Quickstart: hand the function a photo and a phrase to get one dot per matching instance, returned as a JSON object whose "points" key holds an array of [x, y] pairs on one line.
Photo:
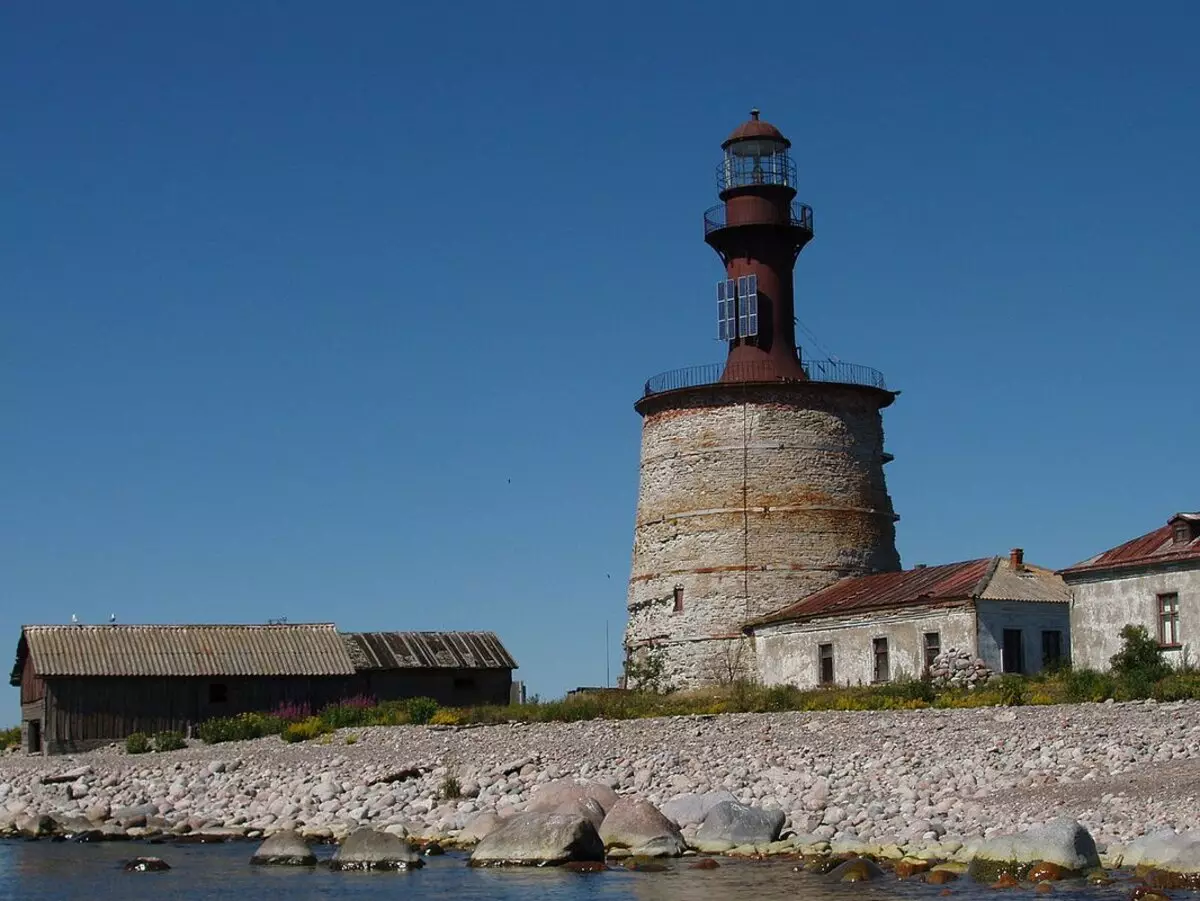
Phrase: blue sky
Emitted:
{"points": [[338, 311]]}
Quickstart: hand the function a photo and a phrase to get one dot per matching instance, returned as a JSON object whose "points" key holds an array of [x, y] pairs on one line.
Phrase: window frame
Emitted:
{"points": [[821, 658], [925, 648], [876, 644], [1165, 615]]}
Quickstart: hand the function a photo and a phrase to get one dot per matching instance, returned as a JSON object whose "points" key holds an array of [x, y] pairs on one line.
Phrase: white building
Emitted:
{"points": [[871, 629], [1153, 581]]}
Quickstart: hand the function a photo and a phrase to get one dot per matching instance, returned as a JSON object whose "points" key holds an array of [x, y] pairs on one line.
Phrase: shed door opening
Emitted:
{"points": [[1013, 655], [34, 731], [825, 655]]}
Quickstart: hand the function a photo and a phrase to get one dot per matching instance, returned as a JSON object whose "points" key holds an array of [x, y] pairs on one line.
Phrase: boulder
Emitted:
{"points": [[146, 865], [730, 824], [539, 838], [551, 796], [856, 869], [692, 808], [478, 828], [35, 825], [588, 808], [1063, 842], [1167, 860], [369, 849], [641, 827], [286, 849]]}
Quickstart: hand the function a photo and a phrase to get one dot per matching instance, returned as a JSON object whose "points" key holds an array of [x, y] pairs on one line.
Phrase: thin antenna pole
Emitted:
{"points": [[607, 660]]}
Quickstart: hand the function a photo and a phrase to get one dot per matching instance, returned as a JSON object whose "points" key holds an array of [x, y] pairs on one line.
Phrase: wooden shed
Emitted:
{"points": [[86, 686]]}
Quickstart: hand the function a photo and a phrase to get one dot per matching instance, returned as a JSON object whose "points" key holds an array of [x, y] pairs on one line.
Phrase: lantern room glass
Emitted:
{"points": [[756, 162]]}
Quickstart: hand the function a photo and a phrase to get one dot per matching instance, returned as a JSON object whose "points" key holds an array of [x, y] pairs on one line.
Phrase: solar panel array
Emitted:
{"points": [[737, 308]]}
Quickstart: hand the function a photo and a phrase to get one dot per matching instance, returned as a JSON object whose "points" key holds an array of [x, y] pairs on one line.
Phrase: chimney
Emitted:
{"points": [[1016, 559]]}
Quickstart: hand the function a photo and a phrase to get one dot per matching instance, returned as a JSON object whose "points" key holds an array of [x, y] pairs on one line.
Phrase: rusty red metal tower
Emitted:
{"points": [[758, 229]]}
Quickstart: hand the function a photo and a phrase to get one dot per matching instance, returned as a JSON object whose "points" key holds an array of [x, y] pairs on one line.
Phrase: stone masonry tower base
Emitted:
{"points": [[752, 495]]}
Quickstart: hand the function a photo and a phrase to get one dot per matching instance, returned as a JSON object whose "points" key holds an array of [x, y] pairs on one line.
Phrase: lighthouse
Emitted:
{"points": [[762, 474]]}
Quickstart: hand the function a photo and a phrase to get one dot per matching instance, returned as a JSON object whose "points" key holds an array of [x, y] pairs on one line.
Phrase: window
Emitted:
{"points": [[737, 308], [881, 660], [933, 647], [1012, 654], [1168, 619], [679, 599], [1051, 649], [1182, 532], [218, 693], [726, 311], [825, 662]]}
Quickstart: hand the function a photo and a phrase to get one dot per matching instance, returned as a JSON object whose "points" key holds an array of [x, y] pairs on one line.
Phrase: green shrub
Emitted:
{"points": [[10, 738], [1140, 656], [1012, 690], [137, 743], [451, 790], [421, 710], [1088, 685], [305, 729], [169, 741], [1183, 686], [242, 727]]}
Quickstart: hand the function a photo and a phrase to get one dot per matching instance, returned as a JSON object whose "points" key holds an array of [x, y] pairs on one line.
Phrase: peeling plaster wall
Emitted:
{"points": [[750, 498], [1032, 619], [1104, 602], [787, 654]]}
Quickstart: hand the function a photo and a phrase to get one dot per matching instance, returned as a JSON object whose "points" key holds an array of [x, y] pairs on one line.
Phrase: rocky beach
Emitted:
{"points": [[932, 783]]}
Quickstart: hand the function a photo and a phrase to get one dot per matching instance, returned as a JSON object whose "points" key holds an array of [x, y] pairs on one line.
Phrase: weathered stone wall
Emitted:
{"points": [[1101, 604], [1032, 619], [750, 498], [788, 653]]}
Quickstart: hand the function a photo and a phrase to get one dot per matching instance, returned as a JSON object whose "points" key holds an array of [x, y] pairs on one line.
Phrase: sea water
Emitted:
{"points": [[45, 870]]}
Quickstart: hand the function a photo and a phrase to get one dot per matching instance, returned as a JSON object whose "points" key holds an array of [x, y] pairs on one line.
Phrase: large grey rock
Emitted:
{"points": [[368, 849], [588, 808], [479, 827], [641, 827], [34, 825], [552, 795], [692, 808], [730, 824], [539, 838], [284, 848], [1063, 842], [1175, 852]]}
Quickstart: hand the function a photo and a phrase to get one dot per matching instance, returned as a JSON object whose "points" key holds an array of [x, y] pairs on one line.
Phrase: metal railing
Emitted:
{"points": [[801, 216], [833, 371]]}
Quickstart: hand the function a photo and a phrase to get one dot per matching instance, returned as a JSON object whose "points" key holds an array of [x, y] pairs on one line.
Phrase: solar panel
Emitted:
{"points": [[726, 311], [737, 308]]}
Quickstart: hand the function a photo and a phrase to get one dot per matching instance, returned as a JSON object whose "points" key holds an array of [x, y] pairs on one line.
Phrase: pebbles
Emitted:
{"points": [[928, 779]]}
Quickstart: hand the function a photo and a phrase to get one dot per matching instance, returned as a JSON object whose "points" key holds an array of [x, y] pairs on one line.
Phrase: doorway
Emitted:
{"points": [[1013, 653], [33, 736]]}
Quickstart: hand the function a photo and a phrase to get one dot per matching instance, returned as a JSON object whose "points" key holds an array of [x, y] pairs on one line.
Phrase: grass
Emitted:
{"points": [[1060, 686], [10, 738]]}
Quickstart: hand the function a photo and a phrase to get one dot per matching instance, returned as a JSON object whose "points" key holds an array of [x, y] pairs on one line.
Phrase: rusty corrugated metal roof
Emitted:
{"points": [[428, 650], [989, 578], [1158, 546], [300, 649], [885, 591]]}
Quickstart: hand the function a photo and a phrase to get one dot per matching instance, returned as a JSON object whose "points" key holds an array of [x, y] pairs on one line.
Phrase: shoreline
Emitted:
{"points": [[914, 782]]}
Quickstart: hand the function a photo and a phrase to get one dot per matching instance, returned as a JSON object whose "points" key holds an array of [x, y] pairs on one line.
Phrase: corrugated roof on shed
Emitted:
{"points": [[428, 650], [1158, 546], [294, 649]]}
